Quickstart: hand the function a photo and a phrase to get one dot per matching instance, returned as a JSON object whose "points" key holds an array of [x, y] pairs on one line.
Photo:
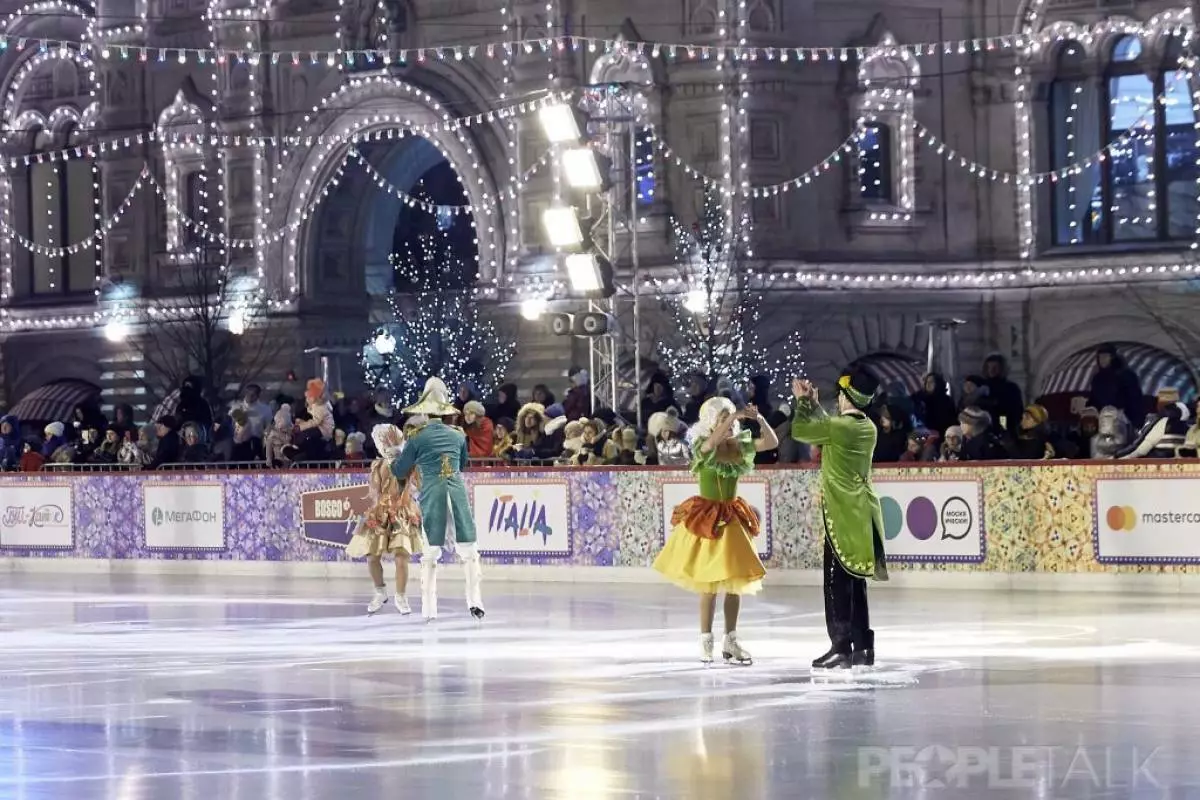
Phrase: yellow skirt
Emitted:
{"points": [[710, 566]]}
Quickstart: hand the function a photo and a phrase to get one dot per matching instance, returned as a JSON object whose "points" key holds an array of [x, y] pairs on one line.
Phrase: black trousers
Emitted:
{"points": [[847, 617]]}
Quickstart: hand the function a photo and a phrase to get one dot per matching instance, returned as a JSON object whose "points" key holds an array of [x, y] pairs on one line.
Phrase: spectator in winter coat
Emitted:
{"points": [[1004, 393], [55, 439], [530, 440], [169, 447], [922, 446], [1033, 442], [543, 396], [138, 450], [951, 449], [502, 438], [109, 449], [670, 450], [975, 394], [466, 393], [31, 459], [84, 417], [578, 401], [1112, 433], [10, 442], [258, 412], [892, 440], [934, 405], [315, 440], [123, 419], [659, 396], [699, 389], [980, 442], [355, 448], [478, 429], [193, 407], [194, 450], [1116, 385], [279, 437], [572, 441], [1079, 440], [507, 406]]}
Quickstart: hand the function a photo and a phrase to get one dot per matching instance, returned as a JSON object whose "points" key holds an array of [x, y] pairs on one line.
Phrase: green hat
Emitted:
{"points": [[859, 388]]}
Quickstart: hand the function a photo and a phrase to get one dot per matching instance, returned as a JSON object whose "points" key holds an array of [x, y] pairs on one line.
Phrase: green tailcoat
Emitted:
{"points": [[850, 508], [439, 453]]}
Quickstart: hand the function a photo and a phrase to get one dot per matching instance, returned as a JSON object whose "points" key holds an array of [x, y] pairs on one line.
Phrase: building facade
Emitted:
{"points": [[1027, 168]]}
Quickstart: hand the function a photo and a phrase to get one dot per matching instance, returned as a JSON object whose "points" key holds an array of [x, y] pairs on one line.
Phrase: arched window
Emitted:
{"points": [[181, 128], [55, 208], [1140, 111]]}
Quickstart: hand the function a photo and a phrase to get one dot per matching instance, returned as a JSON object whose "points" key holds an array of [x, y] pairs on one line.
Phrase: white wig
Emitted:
{"points": [[710, 412], [389, 440]]}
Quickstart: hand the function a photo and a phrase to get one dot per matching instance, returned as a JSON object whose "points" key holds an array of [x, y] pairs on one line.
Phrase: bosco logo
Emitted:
{"points": [[1121, 518]]}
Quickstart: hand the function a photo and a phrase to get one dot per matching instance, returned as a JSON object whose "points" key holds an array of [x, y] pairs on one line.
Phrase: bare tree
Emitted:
{"points": [[1176, 317], [210, 329]]}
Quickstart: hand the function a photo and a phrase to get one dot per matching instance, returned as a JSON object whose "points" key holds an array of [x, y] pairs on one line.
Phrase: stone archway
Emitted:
{"points": [[377, 108]]}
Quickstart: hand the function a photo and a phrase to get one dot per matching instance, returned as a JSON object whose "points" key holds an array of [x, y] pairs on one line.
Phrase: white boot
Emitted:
{"points": [[706, 648], [473, 575], [429, 567], [733, 651], [378, 601], [402, 605]]}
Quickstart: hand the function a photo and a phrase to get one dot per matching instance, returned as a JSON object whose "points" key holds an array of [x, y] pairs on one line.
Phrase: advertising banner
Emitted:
{"points": [[753, 491], [932, 519], [36, 516], [329, 516], [184, 516], [1150, 520], [525, 517]]}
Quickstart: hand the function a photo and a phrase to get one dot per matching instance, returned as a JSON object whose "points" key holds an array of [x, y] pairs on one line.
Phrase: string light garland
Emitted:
{"points": [[52, 250], [504, 48]]}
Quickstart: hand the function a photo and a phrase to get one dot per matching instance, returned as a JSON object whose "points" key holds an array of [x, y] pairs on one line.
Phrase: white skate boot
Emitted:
{"points": [[733, 652], [402, 605], [429, 568], [473, 573], [378, 601], [706, 648]]}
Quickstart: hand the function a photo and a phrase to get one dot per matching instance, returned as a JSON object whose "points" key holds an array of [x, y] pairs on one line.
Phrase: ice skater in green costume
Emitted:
{"points": [[438, 453], [853, 522]]}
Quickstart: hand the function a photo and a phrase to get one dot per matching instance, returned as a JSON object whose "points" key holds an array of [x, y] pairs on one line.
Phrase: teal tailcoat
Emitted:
{"points": [[439, 454]]}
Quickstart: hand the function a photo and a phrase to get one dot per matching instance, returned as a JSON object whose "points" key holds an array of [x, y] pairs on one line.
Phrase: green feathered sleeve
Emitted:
{"points": [[707, 462]]}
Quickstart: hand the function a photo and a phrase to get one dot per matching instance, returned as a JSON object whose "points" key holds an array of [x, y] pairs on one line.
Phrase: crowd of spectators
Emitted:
{"points": [[988, 421]]}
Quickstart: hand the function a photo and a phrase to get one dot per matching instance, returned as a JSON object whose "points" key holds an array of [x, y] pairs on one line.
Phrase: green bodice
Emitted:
{"points": [[719, 478]]}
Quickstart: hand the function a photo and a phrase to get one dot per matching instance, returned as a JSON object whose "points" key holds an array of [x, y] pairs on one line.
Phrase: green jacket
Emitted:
{"points": [[437, 451], [853, 520]]}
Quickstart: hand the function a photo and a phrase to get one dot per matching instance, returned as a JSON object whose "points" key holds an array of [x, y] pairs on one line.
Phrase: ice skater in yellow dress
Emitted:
{"points": [[711, 548]]}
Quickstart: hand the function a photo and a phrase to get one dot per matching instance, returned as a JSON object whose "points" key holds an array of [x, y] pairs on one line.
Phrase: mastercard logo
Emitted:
{"points": [[1121, 518]]}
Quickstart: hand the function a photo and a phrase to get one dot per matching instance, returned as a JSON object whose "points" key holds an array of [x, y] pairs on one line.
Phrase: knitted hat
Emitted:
{"points": [[555, 411], [474, 407], [662, 421], [976, 417], [54, 429], [629, 438], [1038, 414]]}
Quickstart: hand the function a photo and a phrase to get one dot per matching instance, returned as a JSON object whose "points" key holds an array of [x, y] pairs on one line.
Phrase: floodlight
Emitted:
{"points": [[562, 226], [533, 308], [237, 321], [559, 123], [583, 273], [696, 301], [116, 331], [581, 169]]}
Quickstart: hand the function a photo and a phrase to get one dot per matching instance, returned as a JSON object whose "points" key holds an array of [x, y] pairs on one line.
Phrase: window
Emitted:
{"points": [[194, 208], [875, 164], [1144, 190], [58, 211], [644, 166]]}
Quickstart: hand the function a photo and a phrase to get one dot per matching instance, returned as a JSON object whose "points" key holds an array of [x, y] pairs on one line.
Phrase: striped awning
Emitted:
{"points": [[167, 406], [1155, 368], [55, 402], [893, 371]]}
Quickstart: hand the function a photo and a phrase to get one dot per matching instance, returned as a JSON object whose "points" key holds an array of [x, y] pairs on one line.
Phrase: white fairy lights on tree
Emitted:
{"points": [[716, 311], [435, 327]]}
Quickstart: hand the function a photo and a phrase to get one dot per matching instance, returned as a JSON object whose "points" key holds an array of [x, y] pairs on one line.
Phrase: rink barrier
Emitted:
{"points": [[1010, 517]]}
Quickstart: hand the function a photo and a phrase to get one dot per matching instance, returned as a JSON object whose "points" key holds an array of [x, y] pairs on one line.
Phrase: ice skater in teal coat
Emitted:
{"points": [[438, 454]]}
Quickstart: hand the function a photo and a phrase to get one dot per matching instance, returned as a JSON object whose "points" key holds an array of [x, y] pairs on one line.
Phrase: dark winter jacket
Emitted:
{"points": [[169, 448], [10, 443], [1161, 437], [192, 405], [936, 408], [1010, 404], [1118, 386], [509, 408]]}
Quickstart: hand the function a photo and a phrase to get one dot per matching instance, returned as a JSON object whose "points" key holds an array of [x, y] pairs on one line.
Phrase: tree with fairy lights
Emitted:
{"points": [[717, 306], [434, 328]]}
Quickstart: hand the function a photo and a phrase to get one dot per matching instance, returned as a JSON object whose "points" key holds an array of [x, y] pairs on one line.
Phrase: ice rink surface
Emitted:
{"points": [[202, 689]]}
